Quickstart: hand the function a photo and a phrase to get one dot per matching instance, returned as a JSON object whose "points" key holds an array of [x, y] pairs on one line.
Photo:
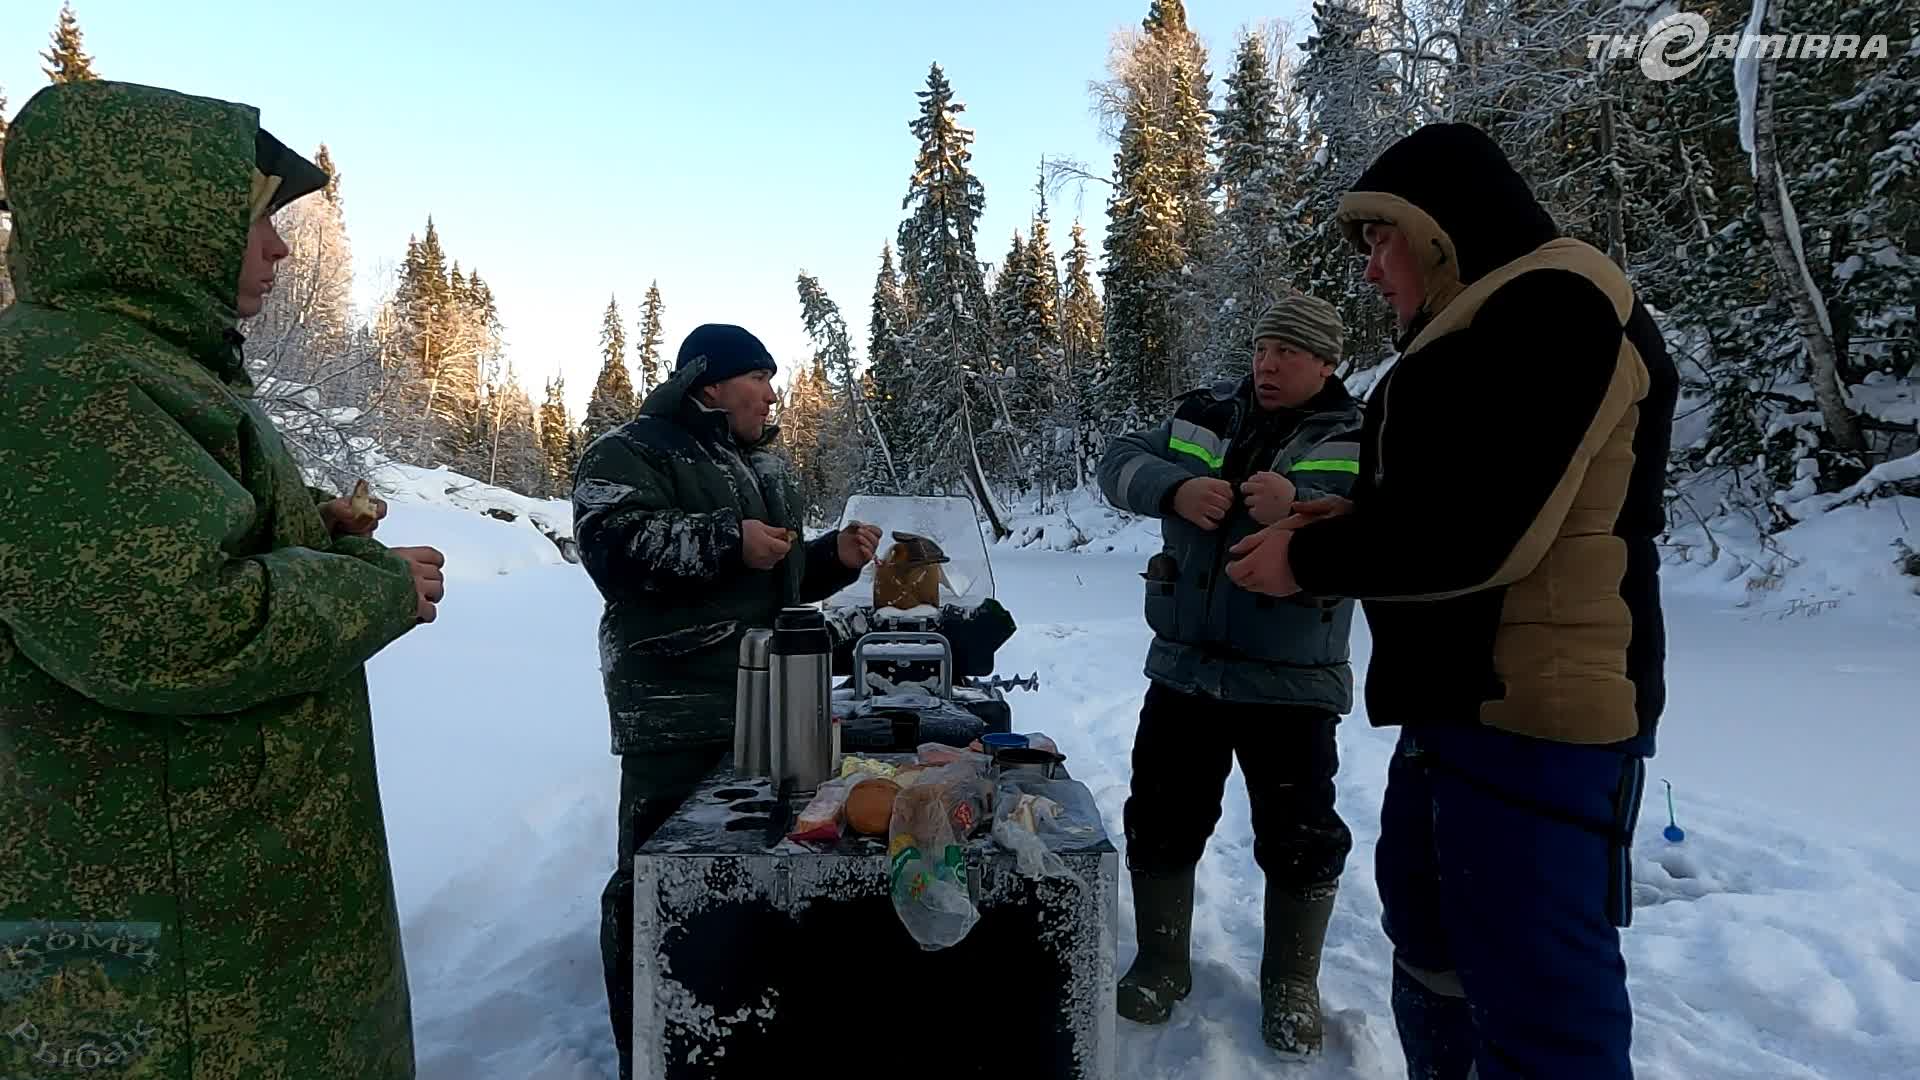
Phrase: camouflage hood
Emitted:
{"points": [[136, 201]]}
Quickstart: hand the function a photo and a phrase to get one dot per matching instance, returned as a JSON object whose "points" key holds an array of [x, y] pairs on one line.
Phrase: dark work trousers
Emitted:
{"points": [[1504, 879], [1183, 753], [652, 787]]}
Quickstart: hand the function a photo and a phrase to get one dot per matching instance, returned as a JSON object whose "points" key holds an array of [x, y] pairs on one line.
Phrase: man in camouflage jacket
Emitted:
{"points": [[194, 880], [688, 522]]}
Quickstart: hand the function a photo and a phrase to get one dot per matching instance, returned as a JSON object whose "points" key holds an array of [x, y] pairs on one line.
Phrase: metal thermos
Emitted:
{"points": [[800, 700], [752, 731]]}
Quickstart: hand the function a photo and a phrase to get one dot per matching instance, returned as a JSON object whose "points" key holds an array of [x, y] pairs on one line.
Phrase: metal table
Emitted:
{"points": [[752, 961]]}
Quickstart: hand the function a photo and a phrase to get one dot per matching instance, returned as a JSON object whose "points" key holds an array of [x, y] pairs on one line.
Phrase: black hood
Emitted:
{"points": [[1452, 190]]}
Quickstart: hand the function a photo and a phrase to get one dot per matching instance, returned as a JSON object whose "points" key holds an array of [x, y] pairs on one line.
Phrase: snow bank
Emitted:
{"points": [[541, 530], [1848, 556], [1080, 521], [499, 794], [446, 487], [476, 545]]}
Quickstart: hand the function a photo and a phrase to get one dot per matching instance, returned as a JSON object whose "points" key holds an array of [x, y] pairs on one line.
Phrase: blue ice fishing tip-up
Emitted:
{"points": [[1673, 832]]}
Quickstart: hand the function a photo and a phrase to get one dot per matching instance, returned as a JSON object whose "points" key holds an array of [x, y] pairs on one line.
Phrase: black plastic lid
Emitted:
{"points": [[800, 618]]}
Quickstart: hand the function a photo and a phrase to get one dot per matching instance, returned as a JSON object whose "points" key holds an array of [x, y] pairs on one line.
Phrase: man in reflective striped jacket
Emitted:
{"points": [[1233, 673]]}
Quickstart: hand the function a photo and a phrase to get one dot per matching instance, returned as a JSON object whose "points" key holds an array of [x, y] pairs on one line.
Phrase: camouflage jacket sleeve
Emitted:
{"points": [[632, 540], [119, 578]]}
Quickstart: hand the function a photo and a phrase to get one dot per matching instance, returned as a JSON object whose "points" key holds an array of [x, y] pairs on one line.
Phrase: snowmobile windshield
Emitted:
{"points": [[948, 521]]}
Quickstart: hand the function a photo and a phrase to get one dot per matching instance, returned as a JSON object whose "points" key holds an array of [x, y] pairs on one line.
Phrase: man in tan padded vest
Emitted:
{"points": [[1517, 634]]}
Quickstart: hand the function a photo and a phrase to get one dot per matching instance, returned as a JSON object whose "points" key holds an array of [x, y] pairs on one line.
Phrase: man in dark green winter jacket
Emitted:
{"points": [[1237, 674], [689, 524]]}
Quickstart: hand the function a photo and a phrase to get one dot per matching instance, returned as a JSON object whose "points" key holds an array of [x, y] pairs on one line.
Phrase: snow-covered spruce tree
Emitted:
{"points": [[805, 417], [555, 428], [1254, 182], [1005, 295], [1041, 396], [948, 348], [477, 330], [1349, 110], [613, 401], [513, 454], [887, 382], [1143, 260], [1016, 376], [1082, 356], [66, 55], [849, 432], [433, 371], [1033, 362], [652, 332], [1160, 216]]}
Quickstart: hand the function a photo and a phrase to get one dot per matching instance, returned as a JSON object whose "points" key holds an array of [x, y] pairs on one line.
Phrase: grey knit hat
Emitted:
{"points": [[1304, 322]]}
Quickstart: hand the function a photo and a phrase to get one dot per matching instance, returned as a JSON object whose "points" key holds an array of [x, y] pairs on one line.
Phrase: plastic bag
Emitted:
{"points": [[852, 764], [1032, 816], [926, 849], [820, 822], [941, 754]]}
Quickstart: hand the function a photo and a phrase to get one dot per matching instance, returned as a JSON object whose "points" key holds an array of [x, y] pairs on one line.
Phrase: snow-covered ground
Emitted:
{"points": [[1781, 939]]}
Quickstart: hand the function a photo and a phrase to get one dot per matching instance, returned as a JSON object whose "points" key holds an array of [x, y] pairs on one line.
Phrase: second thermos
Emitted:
{"points": [[800, 700], [752, 727]]}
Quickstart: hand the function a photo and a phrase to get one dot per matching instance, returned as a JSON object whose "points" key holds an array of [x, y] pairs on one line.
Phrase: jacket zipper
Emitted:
{"points": [[1220, 541], [1380, 436]]}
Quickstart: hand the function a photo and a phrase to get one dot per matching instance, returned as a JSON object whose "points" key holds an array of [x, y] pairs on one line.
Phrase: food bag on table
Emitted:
{"points": [[820, 822], [1033, 815], [926, 848]]}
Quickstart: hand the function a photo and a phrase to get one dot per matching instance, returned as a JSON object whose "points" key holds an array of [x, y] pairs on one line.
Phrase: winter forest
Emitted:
{"points": [[1774, 227]]}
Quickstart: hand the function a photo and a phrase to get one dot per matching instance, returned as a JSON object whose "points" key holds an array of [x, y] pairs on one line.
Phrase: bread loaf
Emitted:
{"points": [[870, 806]]}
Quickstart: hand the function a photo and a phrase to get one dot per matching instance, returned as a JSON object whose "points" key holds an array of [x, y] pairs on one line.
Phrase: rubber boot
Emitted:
{"points": [[1162, 973], [1296, 930]]}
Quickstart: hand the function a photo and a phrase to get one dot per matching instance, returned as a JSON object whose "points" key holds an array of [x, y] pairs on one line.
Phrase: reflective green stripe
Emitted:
{"points": [[1344, 450], [1213, 460], [1328, 465]]}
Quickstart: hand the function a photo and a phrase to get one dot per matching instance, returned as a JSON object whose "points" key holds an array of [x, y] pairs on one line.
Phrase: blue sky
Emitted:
{"points": [[572, 152]]}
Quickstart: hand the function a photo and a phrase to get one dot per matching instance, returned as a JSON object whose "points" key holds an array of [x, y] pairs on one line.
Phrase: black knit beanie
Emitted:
{"points": [[730, 351]]}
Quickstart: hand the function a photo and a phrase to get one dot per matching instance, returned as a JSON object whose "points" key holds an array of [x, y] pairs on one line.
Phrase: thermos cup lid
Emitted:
{"points": [[754, 648], [800, 618]]}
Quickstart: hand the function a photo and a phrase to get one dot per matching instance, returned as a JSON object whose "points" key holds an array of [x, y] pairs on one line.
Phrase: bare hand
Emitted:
{"points": [[1325, 508], [1203, 501], [762, 546], [342, 519], [1260, 563], [429, 583], [1268, 496], [858, 542]]}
